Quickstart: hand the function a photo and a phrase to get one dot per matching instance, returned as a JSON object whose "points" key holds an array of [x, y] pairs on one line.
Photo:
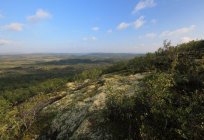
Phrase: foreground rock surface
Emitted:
{"points": [[77, 114]]}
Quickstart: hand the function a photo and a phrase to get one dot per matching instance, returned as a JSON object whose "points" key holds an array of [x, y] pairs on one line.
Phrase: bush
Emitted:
{"points": [[156, 111], [120, 116], [92, 74]]}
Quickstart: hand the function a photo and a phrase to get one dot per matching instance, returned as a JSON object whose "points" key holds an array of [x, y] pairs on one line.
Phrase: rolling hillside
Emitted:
{"points": [[156, 96]]}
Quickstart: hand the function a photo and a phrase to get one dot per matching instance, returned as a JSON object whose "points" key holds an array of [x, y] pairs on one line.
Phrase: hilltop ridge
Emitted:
{"points": [[156, 96]]}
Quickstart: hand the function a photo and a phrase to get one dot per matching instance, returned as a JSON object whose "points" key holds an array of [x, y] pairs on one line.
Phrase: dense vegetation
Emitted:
{"points": [[25, 89], [170, 101], [166, 103]]}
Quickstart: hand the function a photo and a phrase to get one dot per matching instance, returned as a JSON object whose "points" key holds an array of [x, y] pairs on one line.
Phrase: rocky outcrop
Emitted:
{"points": [[79, 112]]}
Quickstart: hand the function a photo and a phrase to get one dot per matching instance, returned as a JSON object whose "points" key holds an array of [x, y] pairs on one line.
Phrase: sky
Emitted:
{"points": [[87, 26]]}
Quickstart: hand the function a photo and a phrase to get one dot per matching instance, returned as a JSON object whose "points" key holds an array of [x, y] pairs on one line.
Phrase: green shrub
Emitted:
{"points": [[92, 74], [122, 115]]}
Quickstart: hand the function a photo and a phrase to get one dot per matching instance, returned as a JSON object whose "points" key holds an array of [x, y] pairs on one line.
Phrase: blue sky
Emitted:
{"points": [[83, 26]]}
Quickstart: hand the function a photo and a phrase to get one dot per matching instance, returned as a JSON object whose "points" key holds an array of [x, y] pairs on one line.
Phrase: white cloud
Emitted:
{"points": [[13, 27], [186, 39], [93, 38], [90, 38], [4, 42], [178, 31], [144, 4], [110, 31], [1, 16], [84, 38], [139, 22], [95, 28], [151, 35], [39, 15], [123, 26], [153, 21]]}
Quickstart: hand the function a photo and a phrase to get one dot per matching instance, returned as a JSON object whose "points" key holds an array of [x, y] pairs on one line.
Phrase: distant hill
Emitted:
{"points": [[113, 55]]}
